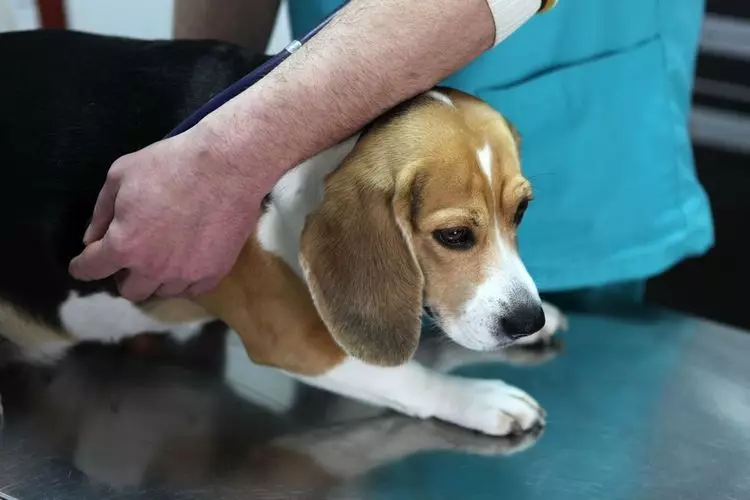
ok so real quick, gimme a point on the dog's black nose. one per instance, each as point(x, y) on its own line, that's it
point(523, 320)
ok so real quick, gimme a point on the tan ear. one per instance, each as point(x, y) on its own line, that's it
point(514, 131)
point(360, 268)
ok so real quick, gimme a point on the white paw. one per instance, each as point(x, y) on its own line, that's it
point(490, 406)
point(555, 321)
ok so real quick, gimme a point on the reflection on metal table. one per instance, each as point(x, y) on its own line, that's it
point(651, 405)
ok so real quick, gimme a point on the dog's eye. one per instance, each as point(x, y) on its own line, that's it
point(458, 238)
point(520, 212)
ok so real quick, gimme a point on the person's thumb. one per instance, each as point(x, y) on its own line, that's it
point(104, 212)
point(96, 262)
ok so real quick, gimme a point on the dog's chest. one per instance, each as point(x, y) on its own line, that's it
point(297, 194)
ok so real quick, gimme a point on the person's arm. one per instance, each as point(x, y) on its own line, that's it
point(177, 213)
point(375, 54)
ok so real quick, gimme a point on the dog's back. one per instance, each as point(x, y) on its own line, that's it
point(72, 104)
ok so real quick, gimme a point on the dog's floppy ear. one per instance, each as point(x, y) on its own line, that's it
point(360, 266)
point(514, 131)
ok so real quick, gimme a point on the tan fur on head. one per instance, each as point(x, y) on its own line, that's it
point(443, 160)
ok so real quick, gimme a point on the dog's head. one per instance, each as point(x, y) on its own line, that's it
point(422, 216)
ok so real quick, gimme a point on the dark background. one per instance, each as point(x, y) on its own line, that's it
point(716, 285)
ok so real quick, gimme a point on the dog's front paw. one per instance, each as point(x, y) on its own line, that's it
point(538, 353)
point(555, 321)
point(492, 407)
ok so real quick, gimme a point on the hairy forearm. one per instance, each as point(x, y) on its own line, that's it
point(374, 54)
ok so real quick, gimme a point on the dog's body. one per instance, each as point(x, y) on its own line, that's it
point(419, 210)
point(73, 104)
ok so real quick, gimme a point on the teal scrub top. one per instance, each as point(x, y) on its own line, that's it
point(600, 92)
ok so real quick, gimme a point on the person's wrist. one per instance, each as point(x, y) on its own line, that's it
point(229, 152)
point(213, 139)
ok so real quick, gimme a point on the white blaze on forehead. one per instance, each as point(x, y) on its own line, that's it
point(485, 160)
point(441, 97)
point(506, 281)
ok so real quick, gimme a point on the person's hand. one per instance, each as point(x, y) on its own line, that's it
point(170, 220)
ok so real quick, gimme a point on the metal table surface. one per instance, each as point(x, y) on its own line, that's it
point(646, 405)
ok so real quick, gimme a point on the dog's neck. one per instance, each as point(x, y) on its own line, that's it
point(297, 193)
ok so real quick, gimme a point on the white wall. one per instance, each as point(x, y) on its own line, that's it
point(18, 15)
point(7, 16)
point(132, 18)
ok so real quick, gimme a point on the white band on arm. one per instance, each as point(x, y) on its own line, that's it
point(509, 15)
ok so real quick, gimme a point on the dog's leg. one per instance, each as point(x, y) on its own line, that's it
point(489, 406)
point(280, 327)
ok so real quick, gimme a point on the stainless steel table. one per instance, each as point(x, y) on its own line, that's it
point(646, 405)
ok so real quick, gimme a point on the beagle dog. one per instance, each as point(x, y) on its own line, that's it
point(416, 213)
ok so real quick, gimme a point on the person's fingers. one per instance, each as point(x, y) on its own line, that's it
point(94, 263)
point(173, 289)
point(136, 287)
point(104, 212)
